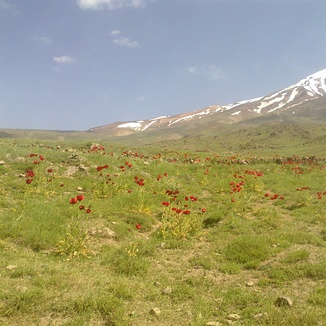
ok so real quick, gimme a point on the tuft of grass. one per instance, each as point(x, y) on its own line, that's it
point(248, 251)
point(318, 297)
point(129, 259)
point(296, 256)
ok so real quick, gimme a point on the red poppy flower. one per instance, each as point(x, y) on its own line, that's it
point(81, 207)
point(80, 197)
point(203, 210)
point(88, 210)
point(138, 226)
point(29, 173)
point(73, 200)
point(29, 181)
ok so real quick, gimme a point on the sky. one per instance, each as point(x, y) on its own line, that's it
point(79, 64)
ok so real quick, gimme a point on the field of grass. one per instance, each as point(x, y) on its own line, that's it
point(102, 234)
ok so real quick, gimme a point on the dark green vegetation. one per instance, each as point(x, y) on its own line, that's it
point(206, 228)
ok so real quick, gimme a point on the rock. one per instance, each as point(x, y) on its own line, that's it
point(233, 317)
point(11, 267)
point(261, 315)
point(155, 311)
point(283, 302)
point(250, 283)
point(83, 168)
point(213, 323)
point(2, 162)
point(71, 170)
point(102, 233)
point(167, 290)
point(79, 189)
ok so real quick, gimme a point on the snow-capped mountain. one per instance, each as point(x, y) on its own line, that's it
point(298, 100)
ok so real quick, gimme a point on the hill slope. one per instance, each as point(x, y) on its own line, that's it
point(304, 101)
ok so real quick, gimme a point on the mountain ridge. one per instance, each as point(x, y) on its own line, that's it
point(290, 103)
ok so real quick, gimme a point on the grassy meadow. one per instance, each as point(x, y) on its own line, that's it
point(106, 234)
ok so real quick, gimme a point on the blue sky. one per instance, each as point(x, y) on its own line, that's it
point(78, 64)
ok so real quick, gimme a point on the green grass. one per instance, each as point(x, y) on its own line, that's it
point(198, 234)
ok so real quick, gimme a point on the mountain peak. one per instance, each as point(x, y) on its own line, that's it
point(315, 84)
point(295, 101)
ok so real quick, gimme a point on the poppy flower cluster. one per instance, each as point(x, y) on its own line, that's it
point(100, 168)
point(160, 176)
point(122, 167)
point(254, 173)
point(297, 170)
point(97, 148)
point(180, 211)
point(139, 181)
point(320, 194)
point(134, 154)
point(302, 188)
point(192, 198)
point(236, 187)
point(172, 193)
point(29, 175)
point(185, 210)
point(41, 158)
point(79, 198)
point(274, 196)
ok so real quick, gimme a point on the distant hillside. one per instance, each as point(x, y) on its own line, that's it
point(303, 102)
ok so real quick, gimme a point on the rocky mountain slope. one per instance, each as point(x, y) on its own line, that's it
point(304, 101)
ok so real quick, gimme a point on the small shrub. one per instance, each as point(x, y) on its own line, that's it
point(73, 245)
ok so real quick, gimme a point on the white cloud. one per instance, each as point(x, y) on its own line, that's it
point(115, 32)
point(192, 70)
point(110, 4)
point(215, 72)
point(64, 59)
point(41, 39)
point(125, 41)
point(212, 72)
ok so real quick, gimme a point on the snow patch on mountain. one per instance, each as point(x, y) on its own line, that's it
point(236, 113)
point(205, 112)
point(308, 88)
point(315, 83)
